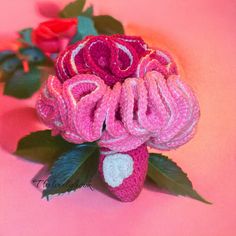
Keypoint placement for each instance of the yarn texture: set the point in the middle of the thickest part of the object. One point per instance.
(131, 186)
(154, 110)
(122, 94)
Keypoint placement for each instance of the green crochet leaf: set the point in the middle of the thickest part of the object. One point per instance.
(74, 169)
(23, 84)
(108, 25)
(42, 147)
(171, 178)
(73, 9)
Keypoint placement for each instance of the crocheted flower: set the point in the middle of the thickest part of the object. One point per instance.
(111, 58)
(160, 112)
(116, 91)
(157, 60)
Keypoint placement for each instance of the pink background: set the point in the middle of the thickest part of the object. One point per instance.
(201, 34)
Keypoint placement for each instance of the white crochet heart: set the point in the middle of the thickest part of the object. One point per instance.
(116, 168)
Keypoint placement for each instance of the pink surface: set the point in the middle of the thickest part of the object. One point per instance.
(201, 34)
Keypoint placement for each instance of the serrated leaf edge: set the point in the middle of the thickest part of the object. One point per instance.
(181, 186)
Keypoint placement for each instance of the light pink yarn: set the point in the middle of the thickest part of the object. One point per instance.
(156, 60)
(76, 108)
(160, 112)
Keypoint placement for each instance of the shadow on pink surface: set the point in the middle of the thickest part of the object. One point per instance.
(15, 124)
(18, 122)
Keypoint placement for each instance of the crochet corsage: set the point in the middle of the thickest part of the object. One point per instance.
(111, 100)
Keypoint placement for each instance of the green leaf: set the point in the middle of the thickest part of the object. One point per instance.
(33, 55)
(42, 147)
(88, 12)
(11, 64)
(6, 54)
(108, 25)
(73, 9)
(8, 64)
(86, 27)
(25, 36)
(73, 169)
(4, 76)
(169, 177)
(23, 84)
(36, 57)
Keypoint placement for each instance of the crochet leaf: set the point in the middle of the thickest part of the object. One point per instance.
(170, 177)
(108, 25)
(74, 169)
(73, 9)
(42, 147)
(22, 84)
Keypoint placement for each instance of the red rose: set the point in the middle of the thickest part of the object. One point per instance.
(54, 35)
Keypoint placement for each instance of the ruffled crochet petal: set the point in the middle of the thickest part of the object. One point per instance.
(118, 92)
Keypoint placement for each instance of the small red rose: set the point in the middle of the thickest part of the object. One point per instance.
(54, 35)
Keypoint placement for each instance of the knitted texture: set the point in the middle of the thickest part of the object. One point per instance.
(118, 92)
(160, 112)
(131, 186)
(112, 58)
(156, 60)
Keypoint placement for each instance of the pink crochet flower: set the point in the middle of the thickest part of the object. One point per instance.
(157, 60)
(161, 112)
(147, 104)
(112, 58)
